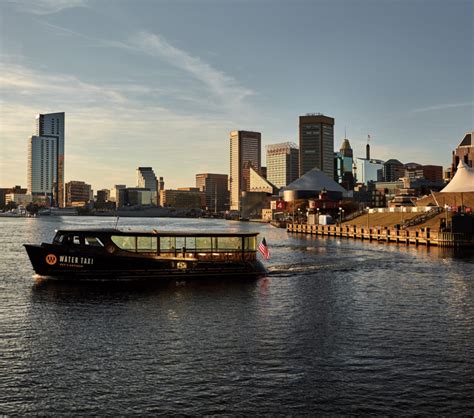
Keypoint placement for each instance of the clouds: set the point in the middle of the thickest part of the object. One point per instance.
(223, 87)
(110, 129)
(443, 107)
(46, 7)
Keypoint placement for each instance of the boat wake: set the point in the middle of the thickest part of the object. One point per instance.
(288, 270)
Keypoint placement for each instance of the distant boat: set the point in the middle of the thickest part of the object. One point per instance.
(112, 254)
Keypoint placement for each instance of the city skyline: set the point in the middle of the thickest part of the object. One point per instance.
(167, 86)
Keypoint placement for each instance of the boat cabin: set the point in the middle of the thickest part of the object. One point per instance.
(164, 244)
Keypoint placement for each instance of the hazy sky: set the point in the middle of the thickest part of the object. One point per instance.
(161, 83)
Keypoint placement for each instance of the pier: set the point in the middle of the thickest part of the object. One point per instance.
(420, 236)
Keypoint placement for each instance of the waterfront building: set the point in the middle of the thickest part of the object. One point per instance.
(103, 195)
(464, 151)
(245, 152)
(18, 198)
(282, 163)
(52, 125)
(215, 189)
(146, 179)
(343, 165)
(258, 183)
(184, 198)
(78, 193)
(393, 170)
(42, 167)
(316, 142)
(114, 192)
(10, 190)
(367, 170)
(312, 184)
(369, 196)
(135, 196)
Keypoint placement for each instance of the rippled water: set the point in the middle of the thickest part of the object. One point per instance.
(339, 326)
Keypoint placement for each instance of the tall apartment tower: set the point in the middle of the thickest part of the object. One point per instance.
(215, 188)
(316, 135)
(245, 152)
(43, 167)
(282, 163)
(51, 125)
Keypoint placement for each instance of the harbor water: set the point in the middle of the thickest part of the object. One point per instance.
(337, 327)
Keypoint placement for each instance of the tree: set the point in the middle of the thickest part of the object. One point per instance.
(32, 208)
(10, 205)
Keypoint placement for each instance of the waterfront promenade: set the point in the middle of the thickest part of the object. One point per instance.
(419, 236)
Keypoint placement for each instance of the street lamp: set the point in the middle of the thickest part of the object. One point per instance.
(317, 215)
(446, 207)
(340, 215)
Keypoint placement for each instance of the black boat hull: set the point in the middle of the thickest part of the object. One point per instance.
(63, 264)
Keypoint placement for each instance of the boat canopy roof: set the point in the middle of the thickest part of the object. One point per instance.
(155, 232)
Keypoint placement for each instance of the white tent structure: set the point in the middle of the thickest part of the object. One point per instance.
(463, 180)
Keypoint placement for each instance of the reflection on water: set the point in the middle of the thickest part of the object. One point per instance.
(339, 327)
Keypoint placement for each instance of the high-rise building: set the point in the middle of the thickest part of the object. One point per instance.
(316, 137)
(42, 168)
(343, 165)
(78, 193)
(245, 152)
(51, 125)
(282, 163)
(215, 188)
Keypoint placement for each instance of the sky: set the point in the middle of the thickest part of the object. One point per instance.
(161, 83)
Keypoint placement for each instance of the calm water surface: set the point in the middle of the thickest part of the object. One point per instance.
(338, 327)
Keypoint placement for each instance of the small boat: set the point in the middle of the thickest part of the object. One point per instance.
(112, 254)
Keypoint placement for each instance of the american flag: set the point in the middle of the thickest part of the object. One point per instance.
(263, 248)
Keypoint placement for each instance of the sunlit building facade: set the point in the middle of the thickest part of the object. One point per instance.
(215, 187)
(52, 125)
(42, 167)
(245, 152)
(282, 163)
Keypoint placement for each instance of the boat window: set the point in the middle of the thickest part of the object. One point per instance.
(76, 240)
(190, 243)
(58, 239)
(180, 242)
(93, 242)
(229, 243)
(124, 242)
(167, 243)
(250, 243)
(203, 244)
(147, 244)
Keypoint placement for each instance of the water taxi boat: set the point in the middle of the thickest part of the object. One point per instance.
(112, 254)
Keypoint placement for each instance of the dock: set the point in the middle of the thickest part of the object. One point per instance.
(420, 236)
